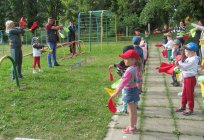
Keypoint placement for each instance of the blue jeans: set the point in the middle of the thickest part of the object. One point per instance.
(17, 55)
(52, 54)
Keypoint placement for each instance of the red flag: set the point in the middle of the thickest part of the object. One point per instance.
(166, 68)
(158, 45)
(185, 37)
(111, 106)
(22, 22)
(111, 76)
(165, 53)
(34, 26)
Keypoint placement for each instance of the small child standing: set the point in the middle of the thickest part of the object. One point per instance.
(175, 52)
(189, 70)
(168, 46)
(143, 45)
(36, 54)
(131, 83)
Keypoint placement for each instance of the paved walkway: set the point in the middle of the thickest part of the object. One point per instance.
(157, 119)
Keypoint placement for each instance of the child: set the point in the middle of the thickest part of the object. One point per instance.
(175, 52)
(36, 54)
(189, 71)
(72, 37)
(168, 46)
(136, 44)
(143, 45)
(121, 68)
(130, 82)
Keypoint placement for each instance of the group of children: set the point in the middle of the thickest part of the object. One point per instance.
(186, 58)
(131, 70)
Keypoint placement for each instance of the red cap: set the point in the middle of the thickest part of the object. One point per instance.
(129, 54)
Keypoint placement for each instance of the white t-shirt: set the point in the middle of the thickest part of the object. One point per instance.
(36, 52)
(189, 67)
(169, 45)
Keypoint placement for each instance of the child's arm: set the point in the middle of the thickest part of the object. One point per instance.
(126, 78)
(185, 66)
(37, 46)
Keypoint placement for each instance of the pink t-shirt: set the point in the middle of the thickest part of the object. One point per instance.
(127, 77)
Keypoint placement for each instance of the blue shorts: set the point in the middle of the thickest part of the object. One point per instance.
(131, 95)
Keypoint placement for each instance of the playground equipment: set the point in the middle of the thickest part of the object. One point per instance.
(97, 26)
(14, 67)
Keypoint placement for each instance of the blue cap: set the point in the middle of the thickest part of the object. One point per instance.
(136, 39)
(192, 46)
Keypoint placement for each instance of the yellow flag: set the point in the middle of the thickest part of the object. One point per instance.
(187, 19)
(202, 88)
(110, 91)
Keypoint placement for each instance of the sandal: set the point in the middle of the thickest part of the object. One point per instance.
(187, 113)
(129, 130)
(180, 109)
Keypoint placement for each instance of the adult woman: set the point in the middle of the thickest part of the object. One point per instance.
(14, 35)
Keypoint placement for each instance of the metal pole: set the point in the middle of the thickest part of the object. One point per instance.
(79, 21)
(90, 30)
(101, 29)
(116, 37)
(97, 30)
(106, 31)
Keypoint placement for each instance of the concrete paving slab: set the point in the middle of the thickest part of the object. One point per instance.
(158, 136)
(197, 116)
(156, 102)
(186, 137)
(157, 112)
(159, 125)
(116, 134)
(123, 121)
(191, 127)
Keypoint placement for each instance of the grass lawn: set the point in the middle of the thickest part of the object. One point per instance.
(60, 103)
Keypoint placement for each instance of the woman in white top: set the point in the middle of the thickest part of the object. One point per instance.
(200, 26)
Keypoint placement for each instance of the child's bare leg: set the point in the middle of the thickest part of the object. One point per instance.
(132, 114)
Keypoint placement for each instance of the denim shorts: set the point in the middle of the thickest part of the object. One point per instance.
(131, 95)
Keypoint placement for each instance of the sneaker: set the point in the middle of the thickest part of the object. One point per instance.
(57, 64)
(40, 70)
(187, 113)
(21, 76)
(129, 130)
(180, 94)
(180, 109)
(34, 72)
(176, 84)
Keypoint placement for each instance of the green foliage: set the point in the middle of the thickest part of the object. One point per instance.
(129, 13)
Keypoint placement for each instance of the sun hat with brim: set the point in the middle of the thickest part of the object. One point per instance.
(191, 46)
(129, 54)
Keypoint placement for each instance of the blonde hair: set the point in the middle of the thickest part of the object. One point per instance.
(9, 25)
